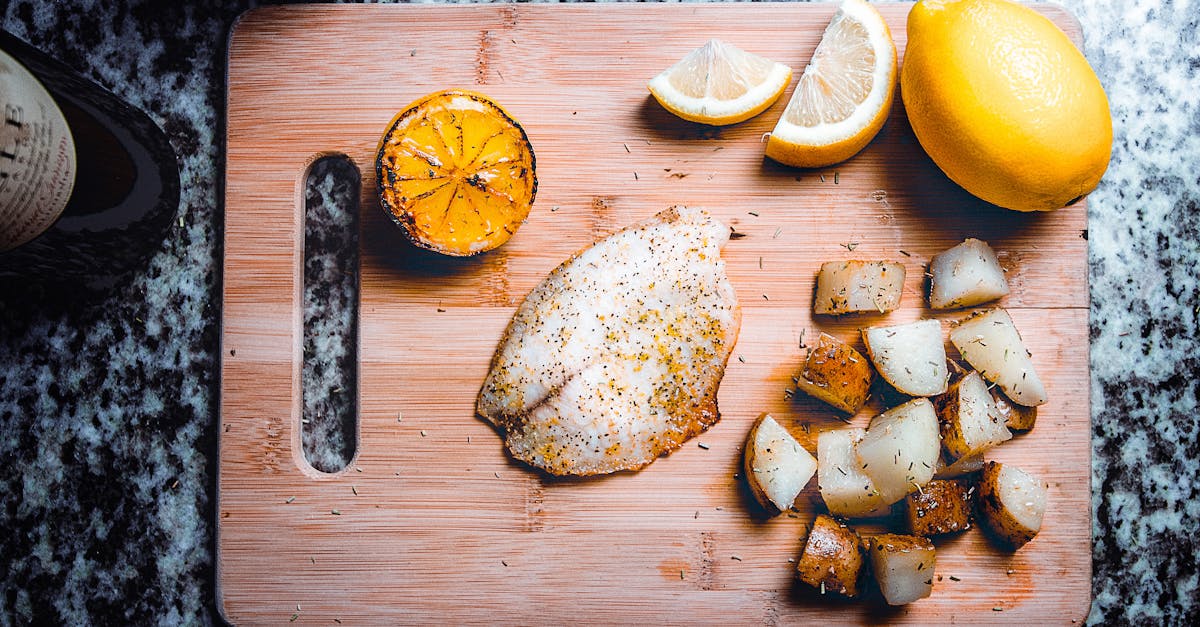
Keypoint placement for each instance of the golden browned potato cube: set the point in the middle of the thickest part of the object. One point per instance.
(969, 421)
(836, 373)
(911, 357)
(845, 488)
(965, 275)
(857, 286)
(833, 558)
(964, 466)
(942, 506)
(900, 449)
(1016, 417)
(903, 566)
(989, 341)
(776, 466)
(1011, 504)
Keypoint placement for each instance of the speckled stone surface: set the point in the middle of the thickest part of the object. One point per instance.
(108, 408)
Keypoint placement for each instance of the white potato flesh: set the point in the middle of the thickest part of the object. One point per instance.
(989, 341)
(911, 357)
(843, 486)
(965, 275)
(903, 566)
(970, 422)
(858, 286)
(777, 467)
(964, 466)
(900, 449)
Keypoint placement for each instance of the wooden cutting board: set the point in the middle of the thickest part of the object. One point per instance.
(434, 523)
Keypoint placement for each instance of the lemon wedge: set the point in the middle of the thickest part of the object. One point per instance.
(843, 96)
(719, 84)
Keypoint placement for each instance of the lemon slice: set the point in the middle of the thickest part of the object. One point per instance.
(844, 95)
(719, 84)
(456, 172)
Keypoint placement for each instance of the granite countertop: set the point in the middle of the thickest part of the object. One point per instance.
(108, 408)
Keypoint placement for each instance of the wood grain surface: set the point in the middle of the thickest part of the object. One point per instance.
(433, 522)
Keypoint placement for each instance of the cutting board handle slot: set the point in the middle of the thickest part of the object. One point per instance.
(329, 368)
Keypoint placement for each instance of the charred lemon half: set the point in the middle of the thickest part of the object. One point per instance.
(456, 172)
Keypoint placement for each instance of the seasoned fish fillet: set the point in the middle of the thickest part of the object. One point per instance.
(615, 358)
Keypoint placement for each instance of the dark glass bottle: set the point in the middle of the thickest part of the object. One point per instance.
(126, 183)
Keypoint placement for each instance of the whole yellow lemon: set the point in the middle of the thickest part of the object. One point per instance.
(1004, 103)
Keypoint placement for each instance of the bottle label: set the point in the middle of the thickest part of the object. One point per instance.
(37, 157)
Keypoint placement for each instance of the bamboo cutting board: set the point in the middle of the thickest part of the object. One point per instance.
(435, 524)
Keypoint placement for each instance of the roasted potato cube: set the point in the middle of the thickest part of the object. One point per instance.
(836, 373)
(855, 286)
(1016, 417)
(900, 449)
(833, 558)
(940, 507)
(911, 357)
(964, 466)
(1011, 504)
(776, 466)
(989, 341)
(843, 486)
(965, 275)
(903, 567)
(970, 422)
